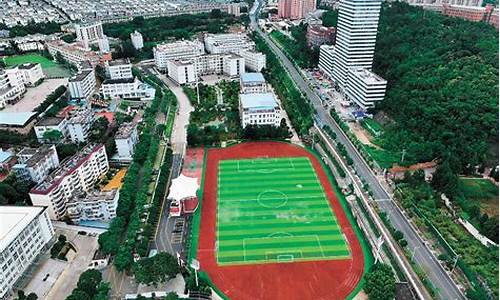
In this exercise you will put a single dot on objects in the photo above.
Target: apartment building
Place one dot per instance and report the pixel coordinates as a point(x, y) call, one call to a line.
point(75, 175)
point(50, 124)
point(89, 33)
point(79, 124)
point(32, 73)
point(11, 86)
point(187, 70)
point(254, 61)
point(326, 59)
point(259, 109)
point(74, 53)
point(127, 88)
point(295, 9)
point(137, 40)
point(228, 43)
point(93, 206)
point(119, 69)
point(125, 139)
point(25, 233)
point(469, 3)
point(252, 83)
point(365, 88)
point(318, 35)
point(82, 85)
point(176, 50)
point(35, 164)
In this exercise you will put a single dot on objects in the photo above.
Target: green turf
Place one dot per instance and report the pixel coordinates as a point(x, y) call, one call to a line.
point(51, 68)
point(274, 210)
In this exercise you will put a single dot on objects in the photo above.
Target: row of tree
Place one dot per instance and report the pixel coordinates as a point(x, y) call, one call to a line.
point(50, 99)
point(90, 287)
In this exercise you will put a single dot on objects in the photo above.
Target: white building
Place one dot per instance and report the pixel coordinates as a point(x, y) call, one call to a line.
point(252, 83)
point(35, 164)
point(89, 33)
point(25, 232)
point(119, 69)
point(129, 88)
point(326, 59)
point(259, 109)
point(176, 50)
point(125, 139)
point(137, 40)
point(75, 175)
point(254, 61)
point(32, 73)
point(365, 88)
point(186, 70)
point(93, 206)
point(228, 42)
point(356, 36)
point(82, 85)
point(11, 87)
point(74, 53)
point(103, 44)
point(51, 124)
point(79, 124)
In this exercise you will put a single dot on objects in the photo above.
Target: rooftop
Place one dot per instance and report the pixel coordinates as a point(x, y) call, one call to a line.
point(27, 66)
point(13, 219)
point(367, 76)
point(81, 75)
point(119, 80)
point(125, 131)
point(117, 62)
point(15, 118)
point(5, 155)
point(37, 154)
point(252, 77)
point(50, 121)
point(264, 100)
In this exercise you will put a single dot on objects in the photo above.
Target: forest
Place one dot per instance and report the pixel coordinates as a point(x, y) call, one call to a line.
point(442, 92)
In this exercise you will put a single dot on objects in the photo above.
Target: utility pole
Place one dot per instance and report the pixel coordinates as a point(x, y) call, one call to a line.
point(403, 155)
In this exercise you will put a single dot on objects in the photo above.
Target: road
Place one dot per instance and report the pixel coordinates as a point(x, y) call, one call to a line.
point(423, 257)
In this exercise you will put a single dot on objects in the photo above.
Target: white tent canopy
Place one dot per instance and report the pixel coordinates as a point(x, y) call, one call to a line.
point(183, 187)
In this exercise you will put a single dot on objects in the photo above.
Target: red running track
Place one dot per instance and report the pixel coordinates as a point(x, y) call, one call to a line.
point(327, 279)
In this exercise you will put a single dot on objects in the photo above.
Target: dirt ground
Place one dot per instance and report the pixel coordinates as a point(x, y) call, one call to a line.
point(36, 95)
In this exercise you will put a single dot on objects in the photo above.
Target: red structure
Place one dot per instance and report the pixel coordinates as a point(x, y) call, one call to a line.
point(488, 14)
point(318, 35)
point(295, 9)
point(326, 279)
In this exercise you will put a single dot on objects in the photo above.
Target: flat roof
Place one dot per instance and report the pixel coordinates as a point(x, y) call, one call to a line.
point(27, 65)
point(15, 118)
point(252, 77)
point(367, 75)
point(5, 155)
point(81, 75)
point(119, 80)
point(50, 121)
point(264, 100)
point(13, 219)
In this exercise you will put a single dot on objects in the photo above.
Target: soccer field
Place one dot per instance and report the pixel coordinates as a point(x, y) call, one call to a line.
point(274, 210)
point(51, 68)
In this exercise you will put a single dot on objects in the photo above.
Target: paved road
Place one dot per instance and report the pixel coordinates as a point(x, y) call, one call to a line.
point(423, 257)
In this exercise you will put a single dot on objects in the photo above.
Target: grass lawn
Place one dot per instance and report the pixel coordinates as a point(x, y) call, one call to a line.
point(384, 158)
point(51, 68)
point(274, 210)
point(482, 190)
point(372, 126)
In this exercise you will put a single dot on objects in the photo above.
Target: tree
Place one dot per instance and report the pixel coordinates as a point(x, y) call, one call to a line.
point(89, 281)
point(157, 269)
point(66, 150)
point(32, 296)
point(52, 136)
point(380, 282)
point(445, 179)
point(78, 294)
point(98, 130)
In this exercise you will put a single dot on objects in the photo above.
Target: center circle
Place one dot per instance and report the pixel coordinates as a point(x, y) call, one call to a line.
point(272, 199)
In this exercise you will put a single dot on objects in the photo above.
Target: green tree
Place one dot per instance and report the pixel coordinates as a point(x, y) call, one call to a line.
point(52, 136)
point(380, 282)
point(89, 281)
point(157, 269)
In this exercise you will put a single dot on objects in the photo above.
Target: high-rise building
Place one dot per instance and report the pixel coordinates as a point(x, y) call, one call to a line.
point(295, 9)
point(25, 231)
point(176, 50)
point(36, 163)
point(326, 59)
point(364, 87)
point(89, 33)
point(137, 40)
point(356, 36)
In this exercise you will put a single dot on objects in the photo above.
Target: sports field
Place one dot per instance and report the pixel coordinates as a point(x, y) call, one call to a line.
point(274, 210)
point(51, 68)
